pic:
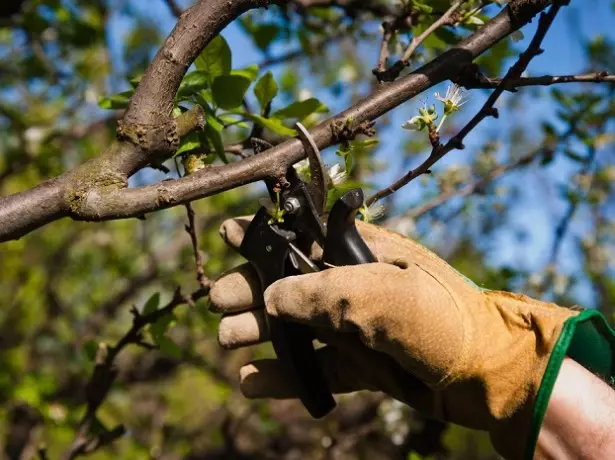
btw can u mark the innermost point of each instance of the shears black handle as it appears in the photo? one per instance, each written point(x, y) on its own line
point(343, 244)
point(267, 249)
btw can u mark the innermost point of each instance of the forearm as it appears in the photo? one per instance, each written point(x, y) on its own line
point(580, 419)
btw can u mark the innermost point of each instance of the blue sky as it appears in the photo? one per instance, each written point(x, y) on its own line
point(541, 206)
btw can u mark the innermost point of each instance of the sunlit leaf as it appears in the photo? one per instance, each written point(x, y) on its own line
point(215, 59)
point(301, 109)
point(117, 102)
point(265, 90)
point(229, 90)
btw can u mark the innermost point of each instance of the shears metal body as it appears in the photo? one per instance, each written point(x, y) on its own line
point(280, 249)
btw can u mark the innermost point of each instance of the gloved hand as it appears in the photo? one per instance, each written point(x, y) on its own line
point(410, 326)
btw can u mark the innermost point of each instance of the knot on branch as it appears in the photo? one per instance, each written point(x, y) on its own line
point(522, 11)
point(391, 73)
point(87, 178)
point(163, 138)
point(345, 130)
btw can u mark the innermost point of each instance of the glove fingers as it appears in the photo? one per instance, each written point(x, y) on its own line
point(233, 230)
point(236, 290)
point(243, 329)
point(266, 379)
point(348, 366)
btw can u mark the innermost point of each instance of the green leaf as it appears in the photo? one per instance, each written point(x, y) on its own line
point(116, 102)
point(168, 347)
point(188, 143)
point(152, 304)
point(214, 136)
point(192, 83)
point(134, 81)
point(250, 72)
point(215, 59)
point(301, 109)
point(229, 90)
point(229, 119)
point(90, 348)
point(265, 90)
point(265, 35)
point(159, 328)
point(273, 124)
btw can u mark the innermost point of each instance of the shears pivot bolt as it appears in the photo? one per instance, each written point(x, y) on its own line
point(292, 205)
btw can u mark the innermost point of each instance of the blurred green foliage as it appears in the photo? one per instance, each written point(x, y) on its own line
point(69, 286)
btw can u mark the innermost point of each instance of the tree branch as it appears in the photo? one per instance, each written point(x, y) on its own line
point(96, 190)
point(545, 80)
point(393, 72)
point(488, 109)
point(174, 7)
point(474, 186)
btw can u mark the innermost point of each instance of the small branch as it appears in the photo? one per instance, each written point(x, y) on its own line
point(393, 72)
point(444, 20)
point(488, 109)
point(105, 374)
point(476, 186)
point(198, 257)
point(42, 453)
point(174, 7)
point(545, 80)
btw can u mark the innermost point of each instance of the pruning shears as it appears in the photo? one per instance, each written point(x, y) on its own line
point(279, 247)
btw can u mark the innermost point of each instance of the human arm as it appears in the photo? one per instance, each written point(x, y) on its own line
point(580, 419)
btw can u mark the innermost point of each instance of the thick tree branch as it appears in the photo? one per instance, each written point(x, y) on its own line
point(96, 191)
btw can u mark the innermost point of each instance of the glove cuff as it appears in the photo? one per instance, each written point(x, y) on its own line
point(590, 341)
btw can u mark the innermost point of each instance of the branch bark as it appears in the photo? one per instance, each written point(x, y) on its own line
point(97, 190)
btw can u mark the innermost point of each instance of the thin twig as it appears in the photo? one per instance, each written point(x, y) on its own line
point(104, 375)
point(389, 29)
point(545, 80)
point(174, 7)
point(198, 257)
point(488, 109)
point(42, 453)
point(473, 187)
point(445, 19)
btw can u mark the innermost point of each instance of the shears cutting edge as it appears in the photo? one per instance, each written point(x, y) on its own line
point(277, 249)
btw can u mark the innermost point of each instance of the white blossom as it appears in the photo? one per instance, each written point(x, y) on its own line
point(336, 174)
point(453, 99)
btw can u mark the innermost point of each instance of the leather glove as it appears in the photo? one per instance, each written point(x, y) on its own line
point(410, 326)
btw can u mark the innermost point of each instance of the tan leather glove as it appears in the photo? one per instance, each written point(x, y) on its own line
point(409, 325)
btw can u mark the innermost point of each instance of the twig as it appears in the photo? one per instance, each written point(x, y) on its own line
point(393, 72)
point(444, 20)
point(174, 7)
point(488, 109)
point(562, 226)
point(545, 80)
point(42, 453)
point(473, 187)
point(198, 257)
point(104, 375)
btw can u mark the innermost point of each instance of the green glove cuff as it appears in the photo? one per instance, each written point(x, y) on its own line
point(589, 340)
